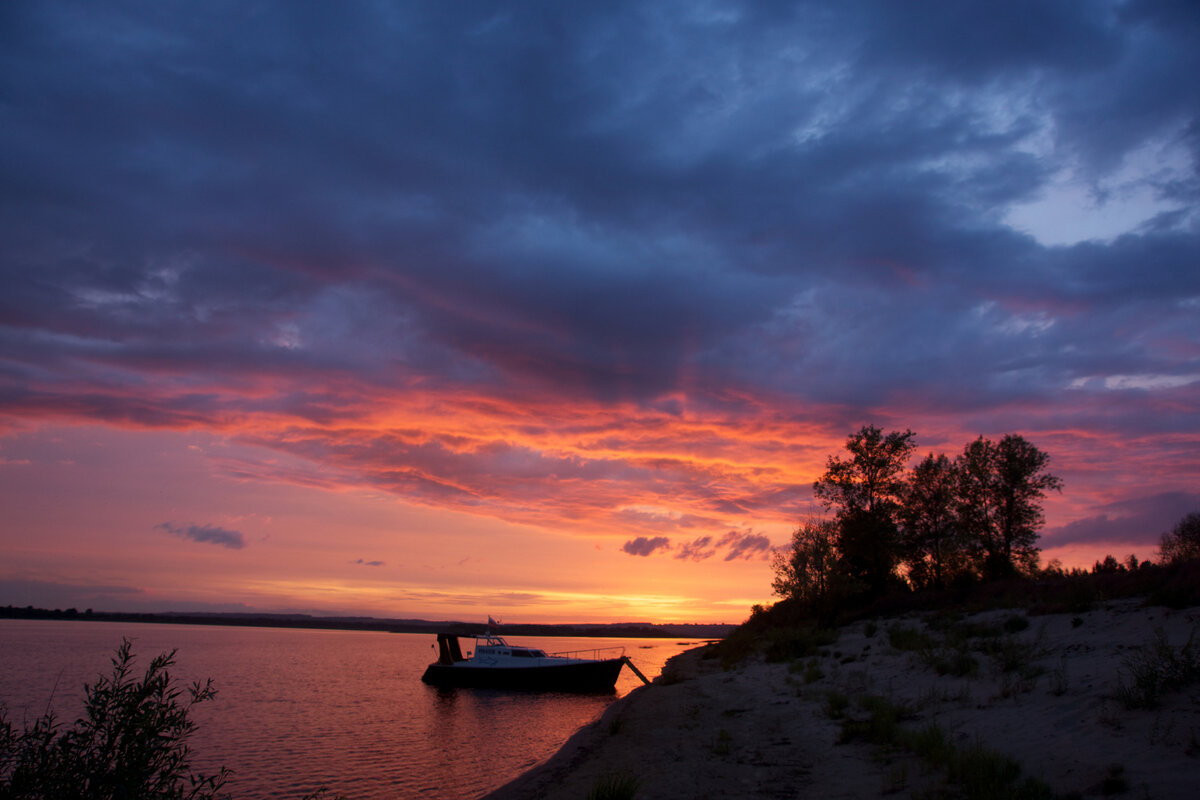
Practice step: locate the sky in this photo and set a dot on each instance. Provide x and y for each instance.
(553, 311)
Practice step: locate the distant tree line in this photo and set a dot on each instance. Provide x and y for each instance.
(942, 523)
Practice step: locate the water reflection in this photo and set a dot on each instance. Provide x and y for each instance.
(301, 709)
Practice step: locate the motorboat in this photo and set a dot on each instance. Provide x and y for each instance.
(495, 664)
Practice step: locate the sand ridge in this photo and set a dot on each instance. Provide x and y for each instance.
(762, 730)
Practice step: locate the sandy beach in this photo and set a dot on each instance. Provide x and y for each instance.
(1068, 697)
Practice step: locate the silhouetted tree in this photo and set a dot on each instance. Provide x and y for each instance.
(931, 546)
(1181, 543)
(806, 570)
(865, 490)
(1000, 489)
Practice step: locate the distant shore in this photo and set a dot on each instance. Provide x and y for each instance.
(619, 630)
(1059, 705)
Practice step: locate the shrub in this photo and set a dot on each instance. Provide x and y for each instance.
(836, 704)
(957, 662)
(881, 725)
(131, 742)
(789, 644)
(1157, 669)
(908, 639)
(615, 786)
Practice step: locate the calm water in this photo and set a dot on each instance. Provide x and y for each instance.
(301, 709)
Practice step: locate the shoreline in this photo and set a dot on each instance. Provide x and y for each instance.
(1049, 693)
(606, 630)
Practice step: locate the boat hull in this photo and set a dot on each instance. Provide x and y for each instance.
(585, 676)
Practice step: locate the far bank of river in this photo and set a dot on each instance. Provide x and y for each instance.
(609, 630)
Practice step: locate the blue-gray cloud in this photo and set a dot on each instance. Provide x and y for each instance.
(643, 546)
(716, 193)
(209, 534)
(1141, 521)
(369, 563)
(735, 545)
(745, 546)
(274, 209)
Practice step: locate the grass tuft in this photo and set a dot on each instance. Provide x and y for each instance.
(909, 639)
(789, 644)
(1114, 781)
(1156, 669)
(615, 786)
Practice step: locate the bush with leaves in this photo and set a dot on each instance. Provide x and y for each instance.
(130, 743)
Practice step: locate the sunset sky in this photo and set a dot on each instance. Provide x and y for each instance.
(554, 312)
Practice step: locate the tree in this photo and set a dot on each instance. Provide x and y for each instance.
(131, 743)
(1181, 543)
(1000, 489)
(930, 542)
(865, 490)
(806, 570)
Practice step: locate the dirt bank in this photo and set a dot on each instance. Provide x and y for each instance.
(1060, 695)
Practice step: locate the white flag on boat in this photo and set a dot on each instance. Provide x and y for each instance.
(492, 621)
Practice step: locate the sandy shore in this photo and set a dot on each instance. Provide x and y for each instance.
(1048, 696)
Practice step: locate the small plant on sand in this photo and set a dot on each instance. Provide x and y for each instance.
(1011, 654)
(1156, 669)
(836, 704)
(978, 773)
(792, 643)
(956, 661)
(909, 639)
(1114, 781)
(615, 786)
(880, 726)
(1058, 678)
(896, 779)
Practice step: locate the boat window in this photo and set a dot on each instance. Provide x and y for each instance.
(522, 654)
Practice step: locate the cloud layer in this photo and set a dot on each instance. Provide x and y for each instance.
(632, 270)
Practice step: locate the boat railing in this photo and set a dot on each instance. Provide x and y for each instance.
(595, 653)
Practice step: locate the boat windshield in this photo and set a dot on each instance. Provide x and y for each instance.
(488, 640)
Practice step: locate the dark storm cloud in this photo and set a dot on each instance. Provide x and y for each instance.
(209, 534)
(242, 210)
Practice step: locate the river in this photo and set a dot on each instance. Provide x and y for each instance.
(298, 710)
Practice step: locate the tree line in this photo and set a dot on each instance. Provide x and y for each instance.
(945, 520)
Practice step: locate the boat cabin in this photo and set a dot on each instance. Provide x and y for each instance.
(486, 645)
